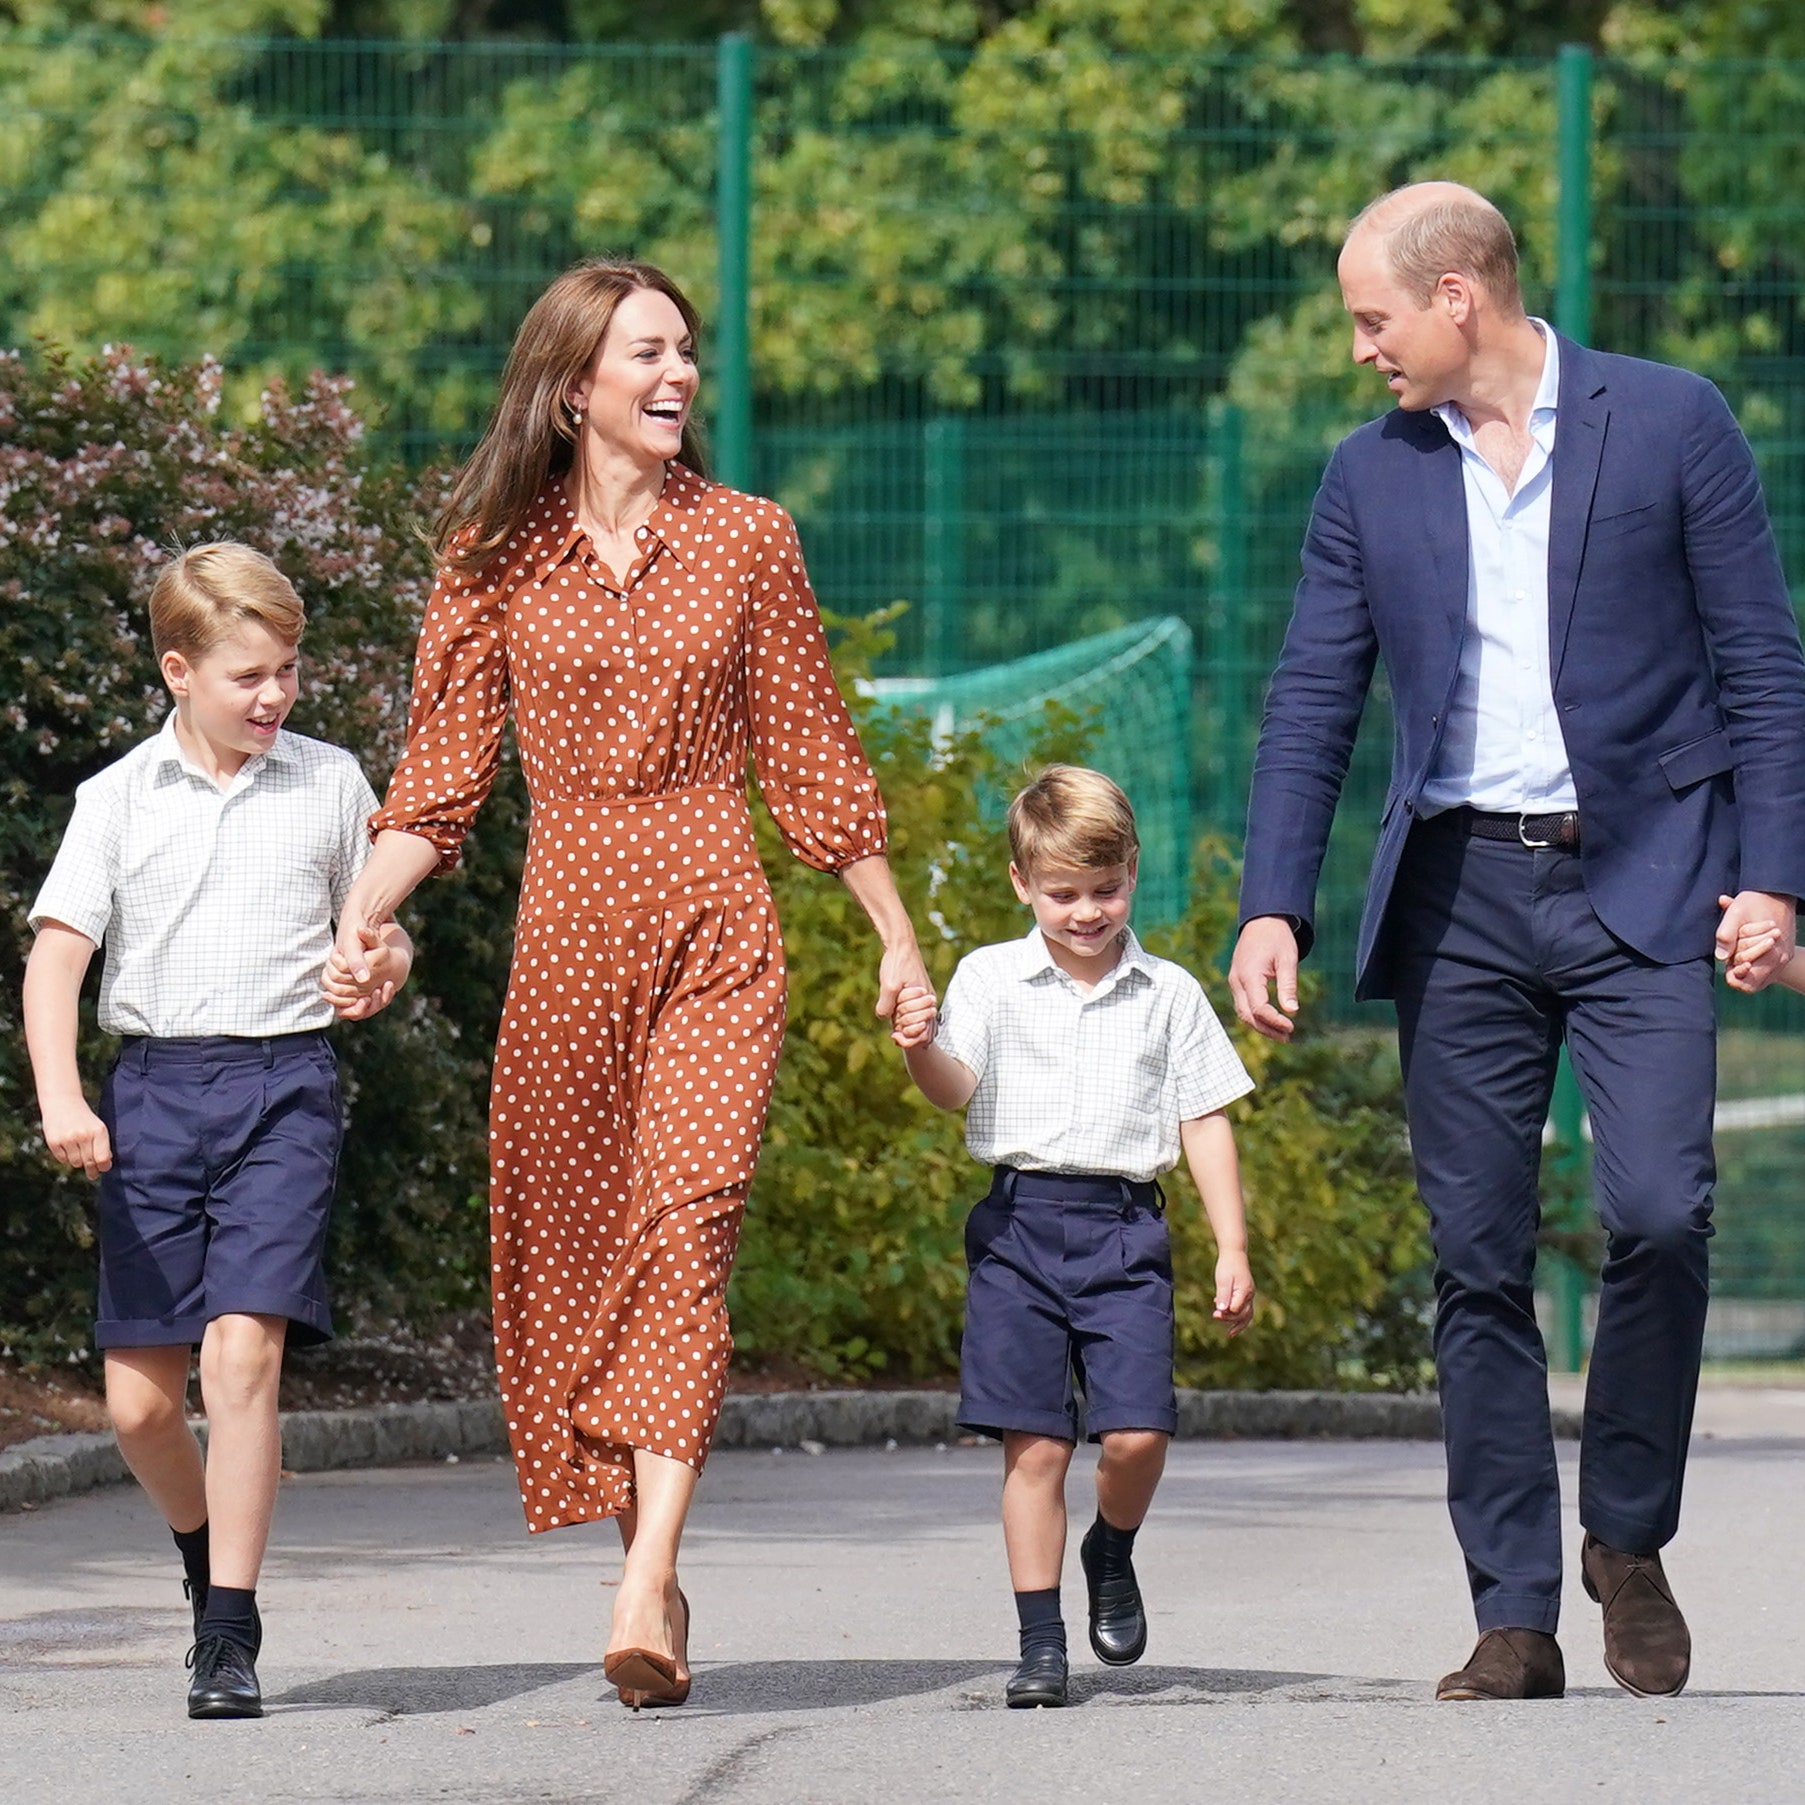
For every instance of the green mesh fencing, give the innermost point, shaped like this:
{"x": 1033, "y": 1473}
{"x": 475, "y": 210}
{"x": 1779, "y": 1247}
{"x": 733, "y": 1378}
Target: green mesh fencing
{"x": 1042, "y": 345}
{"x": 1135, "y": 685}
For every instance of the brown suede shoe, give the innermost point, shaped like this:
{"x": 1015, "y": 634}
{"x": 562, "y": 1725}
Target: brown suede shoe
{"x": 1510, "y": 1664}
{"x": 1647, "y": 1647}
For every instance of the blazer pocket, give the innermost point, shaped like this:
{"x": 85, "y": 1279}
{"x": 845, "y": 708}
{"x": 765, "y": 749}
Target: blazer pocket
{"x": 1708, "y": 756}
{"x": 1624, "y": 520}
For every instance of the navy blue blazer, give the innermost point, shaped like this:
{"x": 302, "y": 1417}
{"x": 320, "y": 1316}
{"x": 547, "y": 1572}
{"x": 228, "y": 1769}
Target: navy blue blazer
{"x": 1673, "y": 646}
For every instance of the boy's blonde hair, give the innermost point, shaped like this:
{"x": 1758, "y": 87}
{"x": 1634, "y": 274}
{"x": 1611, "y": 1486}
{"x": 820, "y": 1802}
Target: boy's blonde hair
{"x": 208, "y": 590}
{"x": 1071, "y": 816}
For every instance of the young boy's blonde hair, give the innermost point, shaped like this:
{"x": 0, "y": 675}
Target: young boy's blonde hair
{"x": 208, "y": 590}
{"x": 1071, "y": 816}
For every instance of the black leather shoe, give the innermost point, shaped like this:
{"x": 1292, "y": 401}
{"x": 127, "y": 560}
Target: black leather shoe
{"x": 1118, "y": 1618}
{"x": 1040, "y": 1680}
{"x": 225, "y": 1680}
{"x": 197, "y": 1599}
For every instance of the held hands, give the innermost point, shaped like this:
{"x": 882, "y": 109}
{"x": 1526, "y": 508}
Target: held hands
{"x": 1755, "y": 938}
{"x": 1234, "y": 1292}
{"x": 899, "y": 973}
{"x": 1265, "y": 959}
{"x": 77, "y": 1137}
{"x": 916, "y": 1017}
{"x": 363, "y": 982}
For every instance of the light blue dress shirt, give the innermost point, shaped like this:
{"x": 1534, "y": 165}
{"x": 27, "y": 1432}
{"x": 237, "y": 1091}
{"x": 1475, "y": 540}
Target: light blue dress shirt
{"x": 1503, "y": 751}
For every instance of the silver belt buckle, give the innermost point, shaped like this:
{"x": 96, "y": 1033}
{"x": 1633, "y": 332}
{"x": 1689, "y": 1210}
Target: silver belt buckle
{"x": 1523, "y": 835}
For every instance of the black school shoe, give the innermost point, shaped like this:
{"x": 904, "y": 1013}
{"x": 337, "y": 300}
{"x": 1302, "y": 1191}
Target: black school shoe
{"x": 1040, "y": 1680}
{"x": 225, "y": 1679}
{"x": 1118, "y": 1618}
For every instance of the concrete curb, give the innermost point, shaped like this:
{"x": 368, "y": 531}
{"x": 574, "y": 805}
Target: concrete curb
{"x": 314, "y": 1441}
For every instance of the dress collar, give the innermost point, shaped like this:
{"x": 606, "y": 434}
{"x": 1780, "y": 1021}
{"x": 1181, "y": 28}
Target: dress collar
{"x": 552, "y": 528}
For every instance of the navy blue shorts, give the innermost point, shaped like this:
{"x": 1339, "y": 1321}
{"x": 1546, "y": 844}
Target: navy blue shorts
{"x": 225, "y": 1152}
{"x": 1070, "y": 1290}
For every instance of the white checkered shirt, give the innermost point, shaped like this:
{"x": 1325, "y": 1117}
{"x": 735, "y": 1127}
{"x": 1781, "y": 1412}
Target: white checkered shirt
{"x": 215, "y": 906}
{"x": 1076, "y": 1083}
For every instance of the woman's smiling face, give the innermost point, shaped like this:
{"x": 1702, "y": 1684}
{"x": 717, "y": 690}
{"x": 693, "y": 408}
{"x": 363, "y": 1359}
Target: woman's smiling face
{"x": 639, "y": 387}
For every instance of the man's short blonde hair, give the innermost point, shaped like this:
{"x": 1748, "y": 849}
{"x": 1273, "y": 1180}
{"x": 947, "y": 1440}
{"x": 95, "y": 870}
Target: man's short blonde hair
{"x": 1456, "y": 230}
{"x": 208, "y": 590}
{"x": 1074, "y": 817}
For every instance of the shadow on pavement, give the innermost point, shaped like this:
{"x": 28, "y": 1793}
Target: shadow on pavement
{"x": 421, "y": 1691}
{"x": 765, "y": 1686}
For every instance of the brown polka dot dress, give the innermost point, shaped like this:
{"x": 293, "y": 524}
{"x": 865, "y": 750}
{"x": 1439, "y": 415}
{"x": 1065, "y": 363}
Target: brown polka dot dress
{"x": 645, "y": 1005}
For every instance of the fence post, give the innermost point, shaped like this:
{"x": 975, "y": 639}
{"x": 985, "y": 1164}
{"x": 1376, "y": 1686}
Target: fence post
{"x": 733, "y": 238}
{"x": 1225, "y": 671}
{"x": 1573, "y": 314}
{"x": 943, "y": 538}
{"x": 1573, "y": 219}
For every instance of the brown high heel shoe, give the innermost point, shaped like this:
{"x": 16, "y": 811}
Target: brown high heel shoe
{"x": 662, "y": 1687}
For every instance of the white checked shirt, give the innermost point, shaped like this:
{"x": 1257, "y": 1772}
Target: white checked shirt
{"x": 215, "y": 906}
{"x": 1075, "y": 1083}
{"x": 1503, "y": 750}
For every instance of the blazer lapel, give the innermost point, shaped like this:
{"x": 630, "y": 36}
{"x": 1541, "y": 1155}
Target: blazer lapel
{"x": 1579, "y": 435}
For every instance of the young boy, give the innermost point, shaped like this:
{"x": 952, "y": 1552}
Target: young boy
{"x": 1086, "y": 1064}
{"x": 211, "y": 860}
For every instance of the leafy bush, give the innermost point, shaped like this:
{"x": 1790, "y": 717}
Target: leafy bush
{"x": 104, "y": 465}
{"x": 852, "y": 1260}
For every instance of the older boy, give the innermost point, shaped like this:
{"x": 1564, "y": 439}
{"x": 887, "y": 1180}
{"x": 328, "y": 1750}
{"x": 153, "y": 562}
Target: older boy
{"x": 211, "y": 860}
{"x": 1086, "y": 1064}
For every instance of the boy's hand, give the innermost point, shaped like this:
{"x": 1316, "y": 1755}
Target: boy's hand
{"x": 355, "y": 999}
{"x": 1234, "y": 1292}
{"x": 1755, "y": 938}
{"x": 76, "y": 1136}
{"x": 916, "y": 1016}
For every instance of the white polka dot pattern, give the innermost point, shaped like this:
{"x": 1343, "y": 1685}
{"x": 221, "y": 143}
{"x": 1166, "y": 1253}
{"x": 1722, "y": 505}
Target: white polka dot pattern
{"x": 646, "y": 1001}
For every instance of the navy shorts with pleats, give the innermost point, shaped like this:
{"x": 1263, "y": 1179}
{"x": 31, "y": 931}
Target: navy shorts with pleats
{"x": 1070, "y": 1292}
{"x": 225, "y": 1154}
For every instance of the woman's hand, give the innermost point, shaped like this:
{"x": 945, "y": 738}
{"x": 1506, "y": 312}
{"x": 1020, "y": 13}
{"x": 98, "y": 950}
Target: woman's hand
{"x": 900, "y": 969}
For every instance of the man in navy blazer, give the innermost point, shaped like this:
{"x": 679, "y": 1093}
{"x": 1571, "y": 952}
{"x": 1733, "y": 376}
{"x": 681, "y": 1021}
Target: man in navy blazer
{"x": 1565, "y": 561}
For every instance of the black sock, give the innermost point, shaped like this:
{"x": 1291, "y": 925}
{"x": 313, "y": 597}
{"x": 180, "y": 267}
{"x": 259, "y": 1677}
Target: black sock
{"x": 1114, "y": 1547}
{"x": 232, "y": 1612}
{"x": 193, "y": 1546}
{"x": 1042, "y": 1625}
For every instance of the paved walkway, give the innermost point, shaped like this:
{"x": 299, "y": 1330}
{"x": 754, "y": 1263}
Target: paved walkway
{"x": 853, "y": 1630}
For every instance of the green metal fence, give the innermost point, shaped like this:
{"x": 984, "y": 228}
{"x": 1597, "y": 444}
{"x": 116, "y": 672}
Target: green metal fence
{"x": 1043, "y": 346}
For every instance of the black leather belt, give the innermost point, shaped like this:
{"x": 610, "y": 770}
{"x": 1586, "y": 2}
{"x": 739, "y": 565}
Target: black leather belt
{"x": 1539, "y": 831}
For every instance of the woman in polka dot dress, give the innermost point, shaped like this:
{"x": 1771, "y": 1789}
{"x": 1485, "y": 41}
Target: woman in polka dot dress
{"x": 649, "y": 629}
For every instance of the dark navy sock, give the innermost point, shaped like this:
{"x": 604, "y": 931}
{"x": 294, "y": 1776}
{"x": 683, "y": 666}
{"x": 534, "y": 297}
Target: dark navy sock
{"x": 232, "y": 1612}
{"x": 1042, "y": 1625}
{"x": 1114, "y": 1547}
{"x": 193, "y": 1546}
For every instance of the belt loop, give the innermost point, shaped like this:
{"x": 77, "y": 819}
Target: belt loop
{"x": 141, "y": 1054}
{"x": 269, "y": 1052}
{"x": 1006, "y": 1177}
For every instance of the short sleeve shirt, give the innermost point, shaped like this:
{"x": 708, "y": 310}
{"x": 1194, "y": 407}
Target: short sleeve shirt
{"x": 215, "y": 907}
{"x": 1069, "y": 1082}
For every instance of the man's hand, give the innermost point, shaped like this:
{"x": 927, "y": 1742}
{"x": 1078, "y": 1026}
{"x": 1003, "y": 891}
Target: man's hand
{"x": 916, "y": 1017}
{"x": 1756, "y": 938}
{"x": 76, "y": 1136}
{"x": 1265, "y": 955}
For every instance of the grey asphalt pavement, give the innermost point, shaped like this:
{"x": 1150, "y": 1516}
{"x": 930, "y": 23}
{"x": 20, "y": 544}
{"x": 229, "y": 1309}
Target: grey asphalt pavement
{"x": 853, "y": 1629}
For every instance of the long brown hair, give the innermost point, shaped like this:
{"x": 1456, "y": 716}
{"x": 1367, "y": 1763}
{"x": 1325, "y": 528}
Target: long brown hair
{"x": 531, "y": 437}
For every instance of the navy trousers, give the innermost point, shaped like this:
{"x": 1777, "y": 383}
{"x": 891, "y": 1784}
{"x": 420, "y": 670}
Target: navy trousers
{"x": 1500, "y": 958}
